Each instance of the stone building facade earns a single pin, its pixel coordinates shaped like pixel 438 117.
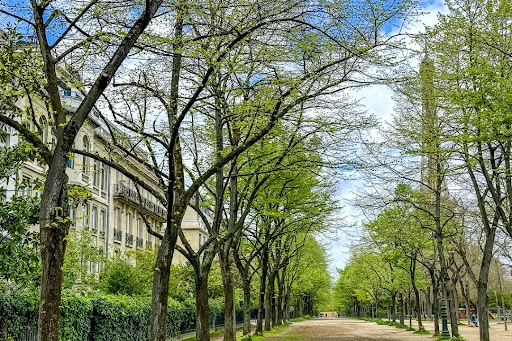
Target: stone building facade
pixel 112 213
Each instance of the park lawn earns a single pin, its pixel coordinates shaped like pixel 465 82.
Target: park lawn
pixel 268 335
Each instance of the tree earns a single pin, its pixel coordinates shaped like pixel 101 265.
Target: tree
pixel 53 23
pixel 475 92
pixel 328 64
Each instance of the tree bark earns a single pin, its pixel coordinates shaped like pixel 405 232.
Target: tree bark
pixel 428 303
pixel 401 308
pixel 202 308
pixel 229 297
pixel 435 308
pixel 447 283
pixel 280 300
pixel 159 299
pixel 263 280
pixel 247 306
pixel 483 278
pixel 269 297
pixel 393 306
pixel 53 247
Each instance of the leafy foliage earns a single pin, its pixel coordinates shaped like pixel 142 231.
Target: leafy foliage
pixel 103 317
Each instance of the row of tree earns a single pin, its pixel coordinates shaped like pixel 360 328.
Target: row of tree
pixel 237 107
pixel 446 196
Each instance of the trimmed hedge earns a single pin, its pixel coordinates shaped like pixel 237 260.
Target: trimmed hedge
pixel 104 318
pixel 16 313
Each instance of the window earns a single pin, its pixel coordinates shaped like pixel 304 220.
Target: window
pixel 85 148
pixel 117 218
pixel 104 178
pixel 102 221
pixel 43 125
pixel 25 190
pixel 129 223
pixel 85 218
pixel 72 214
pixel 70 162
pixel 96 169
pixel 94 218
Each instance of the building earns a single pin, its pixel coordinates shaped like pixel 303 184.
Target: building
pixel 112 213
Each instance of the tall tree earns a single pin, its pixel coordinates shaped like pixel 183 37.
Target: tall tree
pixel 53 23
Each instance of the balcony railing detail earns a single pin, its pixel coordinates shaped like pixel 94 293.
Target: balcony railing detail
pixel 118 235
pixel 129 239
pixel 129 195
pixel 140 242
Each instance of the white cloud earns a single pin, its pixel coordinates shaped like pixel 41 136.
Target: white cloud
pixel 378 100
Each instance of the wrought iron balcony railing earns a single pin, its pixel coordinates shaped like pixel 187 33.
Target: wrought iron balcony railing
pixel 140 242
pixel 118 235
pixel 129 239
pixel 123 192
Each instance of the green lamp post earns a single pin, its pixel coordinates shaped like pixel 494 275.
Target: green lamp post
pixel 445 334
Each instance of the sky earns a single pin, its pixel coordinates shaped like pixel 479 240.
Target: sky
pixel 378 101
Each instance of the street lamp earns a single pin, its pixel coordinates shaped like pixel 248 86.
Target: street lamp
pixel 445 334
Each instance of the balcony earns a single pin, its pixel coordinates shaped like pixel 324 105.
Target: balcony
pixel 140 242
pixel 129 239
pixel 118 235
pixel 131 197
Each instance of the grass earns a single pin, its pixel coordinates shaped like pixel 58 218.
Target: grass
pixel 212 334
pixel 455 338
pixel 277 330
pixel 396 325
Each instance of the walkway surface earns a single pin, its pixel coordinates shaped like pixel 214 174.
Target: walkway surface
pixel 356 330
pixel 345 330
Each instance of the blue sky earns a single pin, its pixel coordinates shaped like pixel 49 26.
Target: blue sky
pixel 378 101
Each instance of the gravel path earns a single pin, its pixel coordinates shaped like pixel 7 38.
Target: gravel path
pixel 345 330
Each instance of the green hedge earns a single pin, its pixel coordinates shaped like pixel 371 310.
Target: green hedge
pixel 108 318
pixel 76 317
pixel 16 313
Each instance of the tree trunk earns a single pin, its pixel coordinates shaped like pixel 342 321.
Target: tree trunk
pixel 159 299
pixel 401 308
pixel 447 283
pixel 286 314
pixel 274 311
pixel 467 301
pixel 483 278
pixel 428 303
pixel 53 247
pixel 269 296
pixel 247 306
pixel 418 310
pixel 228 283
pixel 263 280
pixel 202 309
pixel 393 306
pixel 503 302
pixel 435 308
pixel 455 298
pixel 409 307
pixel 280 300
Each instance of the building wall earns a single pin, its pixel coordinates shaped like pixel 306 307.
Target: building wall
pixel 112 213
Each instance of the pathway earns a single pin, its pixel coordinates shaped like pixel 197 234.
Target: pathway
pixel 356 330
pixel 345 330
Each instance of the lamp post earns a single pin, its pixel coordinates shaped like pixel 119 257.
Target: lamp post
pixel 445 334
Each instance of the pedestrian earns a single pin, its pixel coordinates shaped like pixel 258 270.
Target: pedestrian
pixel 473 320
